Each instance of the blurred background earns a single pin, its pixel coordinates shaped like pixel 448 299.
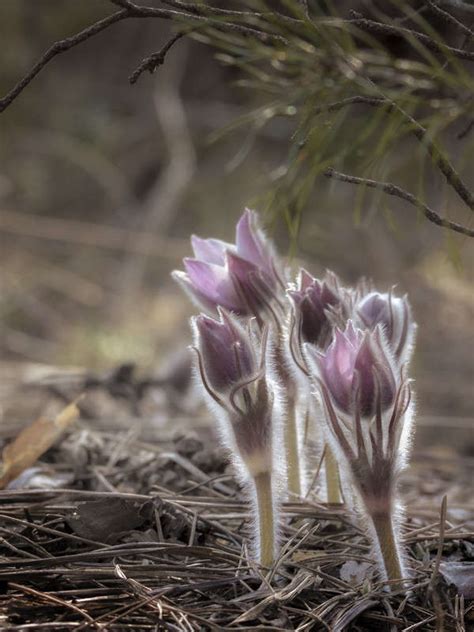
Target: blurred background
pixel 101 184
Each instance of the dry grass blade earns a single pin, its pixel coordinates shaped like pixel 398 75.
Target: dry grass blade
pixel 442 528
pixel 348 614
pixel 51 598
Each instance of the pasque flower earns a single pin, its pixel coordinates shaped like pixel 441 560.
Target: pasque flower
pixel 234 378
pixel 316 306
pixel 314 303
pixel 394 314
pixel 355 368
pixel 367 403
pixel 245 277
pixel 231 368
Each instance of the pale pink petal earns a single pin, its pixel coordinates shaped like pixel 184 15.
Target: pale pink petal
pixel 250 241
pixel 199 299
pixel 209 250
pixel 213 282
pixel 305 280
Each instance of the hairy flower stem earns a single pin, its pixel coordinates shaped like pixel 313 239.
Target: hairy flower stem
pixel 292 450
pixel 290 434
pixel 384 529
pixel 333 482
pixel 266 517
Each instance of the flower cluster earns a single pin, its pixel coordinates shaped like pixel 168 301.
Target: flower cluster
pixel 270 352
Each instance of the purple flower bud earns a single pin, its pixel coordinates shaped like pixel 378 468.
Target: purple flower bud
pixel 394 315
pixel 315 304
pixel 227 355
pixel 252 245
pixel 243 278
pixel 357 371
pixel 231 366
pixel 233 376
pixel 254 287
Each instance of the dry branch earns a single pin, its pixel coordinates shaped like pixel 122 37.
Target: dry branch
pixel 57 48
pixel 393 189
pixel 421 133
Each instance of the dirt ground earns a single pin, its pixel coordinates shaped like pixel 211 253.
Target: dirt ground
pixel 133 521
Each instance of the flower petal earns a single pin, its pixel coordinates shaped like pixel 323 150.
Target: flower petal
pixel 210 250
pixel 372 366
pixel 337 367
pixel 213 282
pixel 215 343
pixel 394 315
pixel 226 350
pixel 305 279
pixel 373 309
pixel 249 240
pixel 314 303
pixel 199 299
pixel 251 283
pixel 243 269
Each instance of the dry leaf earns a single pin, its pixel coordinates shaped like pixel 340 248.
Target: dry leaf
pixel 41 477
pixel 351 612
pixel 33 441
pixel 301 555
pixel 107 519
pixel 461 574
pixel 354 573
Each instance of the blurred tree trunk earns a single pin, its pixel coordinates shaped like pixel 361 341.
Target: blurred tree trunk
pixel 166 194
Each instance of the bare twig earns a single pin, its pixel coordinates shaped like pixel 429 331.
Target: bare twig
pixel 207 10
pixel 381 28
pixel 355 100
pixel 442 528
pixel 421 133
pixel 128 10
pixel 464 132
pixel 304 4
pixel 434 4
pixel 125 4
pixel 58 47
pixel 152 62
pixel 189 14
pixel 438 158
pixel 458 4
pixel 393 189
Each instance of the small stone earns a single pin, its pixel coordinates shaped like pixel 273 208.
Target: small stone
pixel 188 446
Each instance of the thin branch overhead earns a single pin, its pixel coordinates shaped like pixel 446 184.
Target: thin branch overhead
pixel 379 28
pixel 396 191
pixel 153 61
pixel 61 46
pixel 437 155
pixel 414 67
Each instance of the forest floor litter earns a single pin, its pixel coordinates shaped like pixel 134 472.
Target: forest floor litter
pixel 132 524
